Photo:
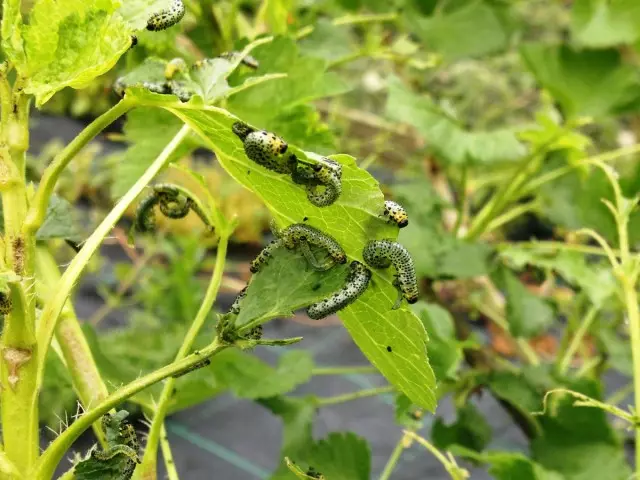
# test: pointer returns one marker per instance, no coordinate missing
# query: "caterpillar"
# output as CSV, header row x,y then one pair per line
x,y
255,333
327,174
6,304
171,202
235,306
265,148
145,214
394,212
174,66
156,87
355,285
384,253
264,256
247,60
167,17
303,235
191,368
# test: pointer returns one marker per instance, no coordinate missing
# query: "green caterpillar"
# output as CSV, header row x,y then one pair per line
x,y
394,212
145,214
384,253
357,282
167,17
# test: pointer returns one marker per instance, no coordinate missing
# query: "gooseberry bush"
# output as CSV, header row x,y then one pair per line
x,y
408,277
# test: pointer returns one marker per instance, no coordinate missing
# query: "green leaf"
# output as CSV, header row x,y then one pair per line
x,y
59,221
618,350
327,41
600,23
579,442
527,314
136,13
436,252
249,377
70,42
470,430
465,29
445,353
509,466
406,413
446,137
587,82
341,456
393,340
11,29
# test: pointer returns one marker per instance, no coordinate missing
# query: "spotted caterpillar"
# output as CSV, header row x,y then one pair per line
x,y
235,306
394,212
357,282
265,148
384,253
167,17
173,203
6,304
300,235
323,182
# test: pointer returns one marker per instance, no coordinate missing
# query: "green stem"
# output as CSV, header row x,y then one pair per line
x,y
576,341
74,348
462,205
8,469
510,215
50,458
449,464
40,203
631,301
169,463
394,458
347,397
52,309
343,370
620,394
554,246
148,468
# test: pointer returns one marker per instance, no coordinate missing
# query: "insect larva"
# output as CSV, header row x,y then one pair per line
x,y
174,66
6,304
394,212
357,282
328,191
264,256
267,149
241,129
191,368
235,306
303,235
382,254
171,201
145,214
167,17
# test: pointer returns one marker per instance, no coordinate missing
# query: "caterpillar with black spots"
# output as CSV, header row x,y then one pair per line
x,y
395,213
191,368
323,181
167,17
235,306
301,235
384,253
355,285
265,148
6,303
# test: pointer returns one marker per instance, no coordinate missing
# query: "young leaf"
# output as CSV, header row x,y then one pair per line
x,y
58,221
12,42
249,377
587,82
509,466
528,315
450,142
393,340
470,430
70,42
598,24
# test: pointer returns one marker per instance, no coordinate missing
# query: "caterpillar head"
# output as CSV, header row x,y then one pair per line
x,y
241,129
396,213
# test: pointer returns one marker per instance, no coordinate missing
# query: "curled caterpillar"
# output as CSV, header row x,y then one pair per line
x,y
323,181
171,202
264,256
357,282
235,306
394,212
382,254
174,66
145,214
265,148
303,235
247,60
6,304
167,17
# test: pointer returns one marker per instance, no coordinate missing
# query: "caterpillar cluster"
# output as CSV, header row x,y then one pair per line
x,y
394,212
384,253
172,202
167,17
322,180
355,285
302,236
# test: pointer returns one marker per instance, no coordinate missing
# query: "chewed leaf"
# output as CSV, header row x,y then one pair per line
x,y
394,341
70,42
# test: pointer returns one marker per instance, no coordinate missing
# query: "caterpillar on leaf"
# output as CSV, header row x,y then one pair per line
x,y
355,285
265,148
167,17
235,306
384,253
394,212
323,181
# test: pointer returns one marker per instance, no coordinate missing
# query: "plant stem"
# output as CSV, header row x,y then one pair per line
x,y
53,307
38,209
50,458
554,246
510,215
631,301
8,469
449,464
148,468
371,392
576,341
76,354
169,463
394,458
343,370
462,203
